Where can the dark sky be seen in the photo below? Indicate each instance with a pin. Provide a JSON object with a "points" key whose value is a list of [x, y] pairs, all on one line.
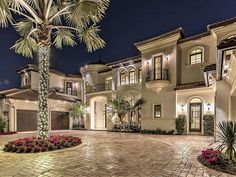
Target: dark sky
{"points": [[126, 22]]}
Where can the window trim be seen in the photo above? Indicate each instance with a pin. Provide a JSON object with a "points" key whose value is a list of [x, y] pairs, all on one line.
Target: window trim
{"points": [[202, 55], [121, 73], [153, 111], [154, 66], [133, 71]]}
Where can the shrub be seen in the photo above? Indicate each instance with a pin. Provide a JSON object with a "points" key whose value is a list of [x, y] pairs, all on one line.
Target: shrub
{"points": [[227, 136], [180, 124], [158, 131], [33, 144], [212, 156], [3, 124], [208, 124]]}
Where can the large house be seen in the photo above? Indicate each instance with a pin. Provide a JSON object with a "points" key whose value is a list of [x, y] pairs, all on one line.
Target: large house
{"points": [[192, 76]]}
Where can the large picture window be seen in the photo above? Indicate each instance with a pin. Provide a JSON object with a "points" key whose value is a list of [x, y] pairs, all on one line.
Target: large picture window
{"points": [[157, 111], [122, 78], [196, 56], [131, 76], [158, 68]]}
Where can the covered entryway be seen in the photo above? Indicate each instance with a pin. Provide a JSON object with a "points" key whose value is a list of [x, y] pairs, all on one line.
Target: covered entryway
{"points": [[26, 120], [195, 115], [60, 120], [98, 115]]}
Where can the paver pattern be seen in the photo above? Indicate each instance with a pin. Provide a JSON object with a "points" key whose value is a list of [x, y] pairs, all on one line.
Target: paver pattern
{"points": [[104, 154]]}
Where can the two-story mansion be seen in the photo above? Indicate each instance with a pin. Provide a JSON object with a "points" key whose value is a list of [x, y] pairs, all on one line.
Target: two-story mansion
{"points": [[192, 76]]}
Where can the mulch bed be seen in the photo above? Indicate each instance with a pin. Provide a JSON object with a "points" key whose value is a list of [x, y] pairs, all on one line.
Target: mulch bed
{"points": [[222, 167], [33, 144]]}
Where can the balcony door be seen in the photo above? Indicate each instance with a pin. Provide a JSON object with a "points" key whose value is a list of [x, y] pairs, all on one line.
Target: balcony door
{"points": [[195, 116], [158, 68]]}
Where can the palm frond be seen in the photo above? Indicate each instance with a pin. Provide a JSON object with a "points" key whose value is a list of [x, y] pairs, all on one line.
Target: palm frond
{"points": [[64, 37], [25, 46], [24, 27], [91, 38], [5, 15]]}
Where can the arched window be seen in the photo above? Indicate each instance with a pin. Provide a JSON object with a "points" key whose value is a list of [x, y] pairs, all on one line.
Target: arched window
{"points": [[132, 75], [140, 74], [122, 77], [196, 56]]}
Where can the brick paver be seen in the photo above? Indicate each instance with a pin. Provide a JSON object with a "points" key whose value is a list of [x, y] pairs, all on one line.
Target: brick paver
{"points": [[104, 154]]}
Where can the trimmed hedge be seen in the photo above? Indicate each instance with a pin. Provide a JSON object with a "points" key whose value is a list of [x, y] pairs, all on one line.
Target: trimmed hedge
{"points": [[180, 124], [158, 132], [208, 125]]}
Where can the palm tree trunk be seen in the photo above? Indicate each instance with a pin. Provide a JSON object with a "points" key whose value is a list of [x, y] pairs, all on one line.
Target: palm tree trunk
{"points": [[43, 56]]}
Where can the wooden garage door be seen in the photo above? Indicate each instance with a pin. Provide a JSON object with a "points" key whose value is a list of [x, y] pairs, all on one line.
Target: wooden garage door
{"points": [[59, 120], [26, 120]]}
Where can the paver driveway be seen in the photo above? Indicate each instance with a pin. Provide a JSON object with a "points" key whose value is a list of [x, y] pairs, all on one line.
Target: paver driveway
{"points": [[112, 154]]}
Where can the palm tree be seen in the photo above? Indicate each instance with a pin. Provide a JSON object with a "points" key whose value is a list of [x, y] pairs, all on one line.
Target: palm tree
{"points": [[119, 106], [43, 23], [77, 110], [227, 136]]}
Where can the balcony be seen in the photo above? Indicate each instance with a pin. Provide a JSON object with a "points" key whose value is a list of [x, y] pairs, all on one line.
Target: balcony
{"points": [[157, 84], [98, 88], [64, 91]]}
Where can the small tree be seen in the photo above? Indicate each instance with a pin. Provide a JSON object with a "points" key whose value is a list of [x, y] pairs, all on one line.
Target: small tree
{"points": [[227, 135], [77, 110], [121, 107]]}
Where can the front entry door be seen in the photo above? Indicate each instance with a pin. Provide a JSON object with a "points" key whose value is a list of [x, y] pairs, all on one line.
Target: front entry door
{"points": [[195, 121]]}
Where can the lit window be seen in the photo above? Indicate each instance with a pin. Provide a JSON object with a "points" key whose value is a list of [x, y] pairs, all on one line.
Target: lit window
{"points": [[140, 74], [196, 56], [69, 88], [108, 83], [25, 80], [158, 68], [157, 111], [122, 78], [131, 76]]}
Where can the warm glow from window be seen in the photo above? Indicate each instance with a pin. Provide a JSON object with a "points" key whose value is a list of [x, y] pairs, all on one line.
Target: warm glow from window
{"points": [[140, 74], [122, 78], [131, 76], [157, 111], [108, 83], [196, 56], [158, 67]]}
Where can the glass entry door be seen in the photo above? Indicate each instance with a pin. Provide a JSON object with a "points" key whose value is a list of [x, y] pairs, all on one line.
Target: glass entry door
{"points": [[195, 118]]}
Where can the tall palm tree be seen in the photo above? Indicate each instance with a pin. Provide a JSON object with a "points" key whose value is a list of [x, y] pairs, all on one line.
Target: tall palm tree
{"points": [[43, 23]]}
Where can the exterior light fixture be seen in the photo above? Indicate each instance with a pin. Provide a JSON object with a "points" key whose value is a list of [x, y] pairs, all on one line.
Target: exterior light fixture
{"points": [[182, 108], [209, 106], [167, 57]]}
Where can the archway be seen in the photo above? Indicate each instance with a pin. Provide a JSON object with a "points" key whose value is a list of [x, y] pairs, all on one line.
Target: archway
{"points": [[98, 116]]}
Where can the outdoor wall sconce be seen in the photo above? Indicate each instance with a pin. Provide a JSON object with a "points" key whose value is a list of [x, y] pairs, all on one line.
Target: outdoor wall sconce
{"points": [[209, 106], [182, 108], [167, 57]]}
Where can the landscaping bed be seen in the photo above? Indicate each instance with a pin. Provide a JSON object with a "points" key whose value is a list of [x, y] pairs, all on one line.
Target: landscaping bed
{"points": [[33, 144], [214, 159]]}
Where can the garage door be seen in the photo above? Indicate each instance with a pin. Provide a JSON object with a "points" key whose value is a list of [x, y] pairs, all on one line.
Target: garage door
{"points": [[59, 120], [26, 120]]}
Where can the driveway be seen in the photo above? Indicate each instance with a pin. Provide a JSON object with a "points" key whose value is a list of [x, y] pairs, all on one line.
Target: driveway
{"points": [[112, 154]]}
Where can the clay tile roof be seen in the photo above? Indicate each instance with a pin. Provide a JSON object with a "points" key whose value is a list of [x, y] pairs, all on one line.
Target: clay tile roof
{"points": [[29, 95], [9, 91], [210, 68], [227, 43], [62, 97], [190, 85], [222, 23]]}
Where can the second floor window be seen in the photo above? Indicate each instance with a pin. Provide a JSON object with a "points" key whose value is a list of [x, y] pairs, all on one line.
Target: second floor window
{"points": [[87, 87], [122, 78], [196, 56], [140, 74], [131, 76], [69, 88], [108, 83], [158, 68]]}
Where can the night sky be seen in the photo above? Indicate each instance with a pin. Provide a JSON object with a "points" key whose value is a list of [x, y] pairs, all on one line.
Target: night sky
{"points": [[126, 22]]}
